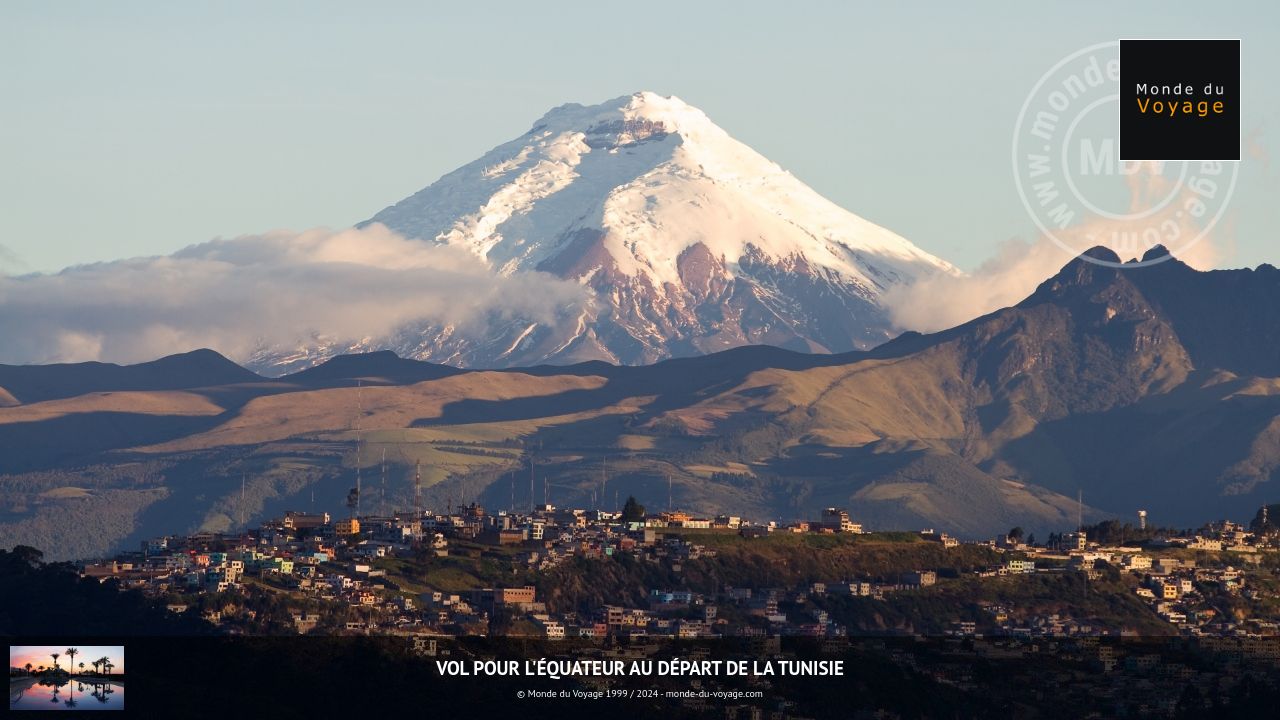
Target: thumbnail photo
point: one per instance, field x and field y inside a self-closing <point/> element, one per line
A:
<point x="66" y="677"/>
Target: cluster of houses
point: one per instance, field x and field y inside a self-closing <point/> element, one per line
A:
<point x="1179" y="591"/>
<point x="340" y="561"/>
<point x="337" y="560"/>
<point x="1176" y="588"/>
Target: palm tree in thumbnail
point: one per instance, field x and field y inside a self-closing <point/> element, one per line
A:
<point x="81" y="668"/>
<point x="28" y="667"/>
<point x="71" y="653"/>
<point x="55" y="657"/>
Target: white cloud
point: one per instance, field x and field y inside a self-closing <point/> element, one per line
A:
<point x="277" y="289"/>
<point x="944" y="301"/>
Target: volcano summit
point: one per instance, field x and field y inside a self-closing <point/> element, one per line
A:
<point x="686" y="242"/>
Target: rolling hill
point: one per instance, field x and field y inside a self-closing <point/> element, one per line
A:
<point x="1153" y="388"/>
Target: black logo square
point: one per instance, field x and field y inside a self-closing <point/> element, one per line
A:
<point x="1179" y="99"/>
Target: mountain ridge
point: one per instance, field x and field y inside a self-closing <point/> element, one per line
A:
<point x="196" y="368"/>
<point x="1105" y="382"/>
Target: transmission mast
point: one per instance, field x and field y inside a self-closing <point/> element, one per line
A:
<point x="359" y="412"/>
<point x="417" y="489"/>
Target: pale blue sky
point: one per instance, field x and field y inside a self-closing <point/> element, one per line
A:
<point x="134" y="128"/>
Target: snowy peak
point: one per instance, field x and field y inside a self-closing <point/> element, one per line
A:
<point x="657" y="176"/>
<point x="686" y="240"/>
<point x="629" y="119"/>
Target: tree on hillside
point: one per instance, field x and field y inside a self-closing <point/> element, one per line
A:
<point x="64" y="595"/>
<point x="1266" y="520"/>
<point x="1015" y="534"/>
<point x="632" y="511"/>
<point x="27" y="555"/>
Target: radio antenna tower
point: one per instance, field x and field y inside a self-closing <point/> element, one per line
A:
<point x="417" y="489"/>
<point x="242" y="474"/>
<point x="1079" y="510"/>
<point x="359" y="412"/>
<point x="382" y="500"/>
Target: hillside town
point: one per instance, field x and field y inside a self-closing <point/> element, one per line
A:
<point x="364" y="574"/>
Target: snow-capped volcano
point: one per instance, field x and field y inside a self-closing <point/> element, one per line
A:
<point x="687" y="240"/>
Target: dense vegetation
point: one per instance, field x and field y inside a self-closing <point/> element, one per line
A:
<point x="780" y="561"/>
<point x="1108" y="602"/>
<point x="82" y="525"/>
<point x="1113" y="532"/>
